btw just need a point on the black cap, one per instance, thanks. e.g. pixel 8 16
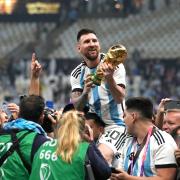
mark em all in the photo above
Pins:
pixel 68 107
pixel 95 117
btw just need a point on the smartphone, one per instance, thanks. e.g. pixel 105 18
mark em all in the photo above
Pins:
pixel 172 104
pixel 114 170
pixel 6 110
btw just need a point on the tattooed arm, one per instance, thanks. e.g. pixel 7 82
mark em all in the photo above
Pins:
pixel 80 98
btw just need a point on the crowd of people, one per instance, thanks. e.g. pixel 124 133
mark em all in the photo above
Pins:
pixel 152 78
pixel 56 84
pixel 100 134
pixel 73 10
pixel 144 77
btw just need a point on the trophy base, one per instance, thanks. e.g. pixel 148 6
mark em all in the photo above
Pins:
pixel 96 80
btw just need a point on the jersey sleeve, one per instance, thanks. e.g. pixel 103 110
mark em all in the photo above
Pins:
pixel 120 75
pixel 75 78
pixel 164 155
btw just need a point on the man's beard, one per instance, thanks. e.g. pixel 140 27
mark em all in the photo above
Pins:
pixel 91 57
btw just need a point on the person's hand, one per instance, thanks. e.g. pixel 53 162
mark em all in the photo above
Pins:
pixel 58 114
pixel 52 119
pixel 88 133
pixel 88 84
pixel 108 70
pixel 3 118
pixel 177 155
pixel 14 109
pixel 161 104
pixel 36 67
pixel 121 175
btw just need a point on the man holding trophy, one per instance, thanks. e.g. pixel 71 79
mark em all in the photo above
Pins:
pixel 99 83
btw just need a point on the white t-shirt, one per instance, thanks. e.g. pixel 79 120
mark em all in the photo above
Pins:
pixel 160 154
pixel 100 98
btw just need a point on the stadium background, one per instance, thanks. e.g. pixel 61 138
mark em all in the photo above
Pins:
pixel 150 29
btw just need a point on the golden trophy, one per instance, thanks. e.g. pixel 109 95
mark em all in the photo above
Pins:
pixel 115 55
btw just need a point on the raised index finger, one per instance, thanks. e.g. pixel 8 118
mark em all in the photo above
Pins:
pixel 33 57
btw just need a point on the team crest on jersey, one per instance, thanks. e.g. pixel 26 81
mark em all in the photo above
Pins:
pixel 45 171
pixel 1 173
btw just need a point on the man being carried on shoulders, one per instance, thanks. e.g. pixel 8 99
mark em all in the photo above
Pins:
pixel 106 99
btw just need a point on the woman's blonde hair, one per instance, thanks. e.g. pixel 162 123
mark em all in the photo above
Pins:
pixel 71 128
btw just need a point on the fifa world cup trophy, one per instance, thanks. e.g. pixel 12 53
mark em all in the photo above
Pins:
pixel 116 54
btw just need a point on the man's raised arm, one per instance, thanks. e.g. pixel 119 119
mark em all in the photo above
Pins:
pixel 36 69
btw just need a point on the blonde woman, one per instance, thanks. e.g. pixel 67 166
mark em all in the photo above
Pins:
pixel 64 158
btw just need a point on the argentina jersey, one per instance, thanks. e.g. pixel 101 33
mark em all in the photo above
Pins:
pixel 159 154
pixel 100 98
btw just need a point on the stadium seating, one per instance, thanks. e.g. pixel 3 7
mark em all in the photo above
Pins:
pixel 147 32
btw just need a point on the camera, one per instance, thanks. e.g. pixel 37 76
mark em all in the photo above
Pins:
pixel 47 124
pixel 49 111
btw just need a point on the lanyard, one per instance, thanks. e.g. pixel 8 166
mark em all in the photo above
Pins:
pixel 145 143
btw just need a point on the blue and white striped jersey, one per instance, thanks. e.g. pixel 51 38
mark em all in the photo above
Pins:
pixel 160 154
pixel 100 98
